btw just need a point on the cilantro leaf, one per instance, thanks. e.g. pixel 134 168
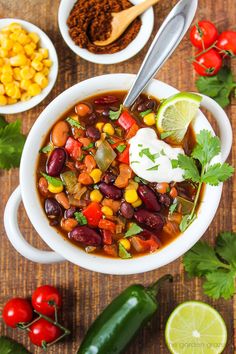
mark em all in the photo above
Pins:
pixel 56 182
pixel 89 146
pixel 226 247
pixel 139 179
pixel 147 153
pixel 123 253
pixel 46 149
pixel 218 87
pixel 187 221
pixel 121 147
pixel 9 346
pixel 220 284
pixel 154 168
pixel 74 123
pixel 82 220
pixel 143 114
pixel 11 144
pixel 200 260
pixel 174 163
pixel 207 147
pixel 133 230
pixel 173 207
pixel 217 173
pixel 190 168
pixel 114 115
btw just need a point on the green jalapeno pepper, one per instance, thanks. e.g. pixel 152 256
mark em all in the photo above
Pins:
pixel 120 321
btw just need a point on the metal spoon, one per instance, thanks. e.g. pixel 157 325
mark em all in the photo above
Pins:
pixel 166 40
pixel 121 20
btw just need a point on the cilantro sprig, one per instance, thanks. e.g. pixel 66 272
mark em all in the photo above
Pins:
pixel 216 265
pixel 133 230
pixel 56 182
pixel 206 148
pixel 11 144
pixel 82 220
pixel 74 123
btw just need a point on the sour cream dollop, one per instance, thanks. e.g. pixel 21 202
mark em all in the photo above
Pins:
pixel 151 158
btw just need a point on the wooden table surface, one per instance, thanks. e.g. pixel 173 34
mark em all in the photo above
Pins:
pixel 86 293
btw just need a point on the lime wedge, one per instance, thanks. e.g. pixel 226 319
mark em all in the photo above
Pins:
pixel 176 113
pixel 195 327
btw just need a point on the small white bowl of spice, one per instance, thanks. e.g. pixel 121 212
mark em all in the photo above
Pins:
pixel 28 65
pixel 83 22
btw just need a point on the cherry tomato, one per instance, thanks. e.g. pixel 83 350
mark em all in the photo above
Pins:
pixel 17 310
pixel 43 332
pixel 45 298
pixel 227 43
pixel 203 34
pixel 208 63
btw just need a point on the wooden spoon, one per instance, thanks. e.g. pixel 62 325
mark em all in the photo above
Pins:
pixel 121 20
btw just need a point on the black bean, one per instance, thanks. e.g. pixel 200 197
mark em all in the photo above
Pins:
pixel 52 208
pixel 93 133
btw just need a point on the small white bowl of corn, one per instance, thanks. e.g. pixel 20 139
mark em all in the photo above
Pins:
pixel 28 65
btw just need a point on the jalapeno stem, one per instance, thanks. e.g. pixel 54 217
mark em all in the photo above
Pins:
pixel 154 288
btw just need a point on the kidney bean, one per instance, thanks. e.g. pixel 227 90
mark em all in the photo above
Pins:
pixel 109 177
pixel 103 111
pixel 110 191
pixel 82 109
pixel 127 210
pixel 147 104
pixel 104 100
pixel 60 133
pixel 56 162
pixel 149 198
pixel 91 119
pixel 52 208
pixel 154 221
pixel 164 199
pixel 43 187
pixel 69 213
pixel 86 236
pixel 62 199
pixel 93 133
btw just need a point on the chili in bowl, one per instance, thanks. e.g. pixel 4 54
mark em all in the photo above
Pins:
pixel 84 198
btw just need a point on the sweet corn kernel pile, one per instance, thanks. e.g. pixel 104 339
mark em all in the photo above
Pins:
pixel 24 66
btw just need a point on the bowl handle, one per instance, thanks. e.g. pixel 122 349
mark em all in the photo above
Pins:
pixel 16 238
pixel 226 135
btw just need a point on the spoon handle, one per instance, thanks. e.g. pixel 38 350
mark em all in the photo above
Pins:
pixel 166 40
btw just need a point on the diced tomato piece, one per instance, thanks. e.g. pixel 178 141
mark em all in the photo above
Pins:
pixel 126 120
pixel 124 156
pixel 111 250
pixel 140 245
pixel 107 225
pixel 132 131
pixel 93 213
pixel 107 237
pixel 73 147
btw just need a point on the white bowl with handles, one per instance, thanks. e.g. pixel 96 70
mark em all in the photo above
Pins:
pixel 63 249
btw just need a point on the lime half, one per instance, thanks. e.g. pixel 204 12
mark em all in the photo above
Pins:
pixel 197 328
pixel 176 113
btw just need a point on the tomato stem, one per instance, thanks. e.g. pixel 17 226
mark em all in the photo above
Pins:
pixel 55 322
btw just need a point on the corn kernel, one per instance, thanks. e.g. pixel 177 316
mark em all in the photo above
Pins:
pixel 37 65
pixel 99 126
pixel 3 53
pixel 11 100
pixel 45 71
pixel 107 211
pixel 34 36
pixel 38 56
pixel 34 89
pixel 27 72
pixel 5 29
pixel 2 89
pixel 149 119
pixel 7 69
pixel 125 243
pixel 23 38
pixel 12 90
pixel 29 49
pixel 96 175
pixel 108 129
pixel 54 189
pixel 25 96
pixel 6 78
pixel 1 62
pixel 44 52
pixel 137 203
pixel 18 60
pixel 13 27
pixel 7 43
pixel 47 62
pixel 3 100
pixel 41 80
pixel 18 48
pixel 132 185
pixel 16 74
pixel 96 196
pixel 25 84
pixel 131 196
